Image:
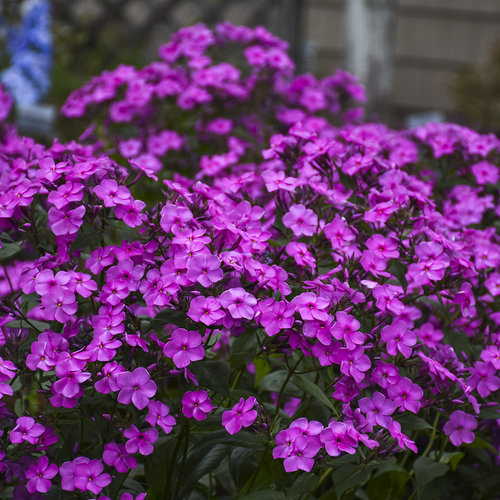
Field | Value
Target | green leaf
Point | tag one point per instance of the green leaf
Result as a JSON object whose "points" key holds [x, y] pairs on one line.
{"points": [[399, 270], [349, 476], [168, 316], [427, 470], [212, 374], [411, 422], [490, 413], [303, 484], [33, 323], [453, 458], [312, 389], [273, 381], [393, 482], [263, 495], [262, 368], [9, 246], [201, 461]]}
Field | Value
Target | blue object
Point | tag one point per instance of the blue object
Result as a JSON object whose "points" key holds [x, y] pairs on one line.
{"points": [[29, 46]]}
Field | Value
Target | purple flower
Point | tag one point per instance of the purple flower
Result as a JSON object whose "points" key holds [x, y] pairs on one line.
{"points": [[459, 428], [242, 415], [159, 415], [339, 437], [66, 222], [89, 476], [239, 303], [140, 442], [26, 429], [117, 456], [184, 347], [196, 404], [136, 387], [398, 337], [406, 394], [39, 476], [301, 220], [377, 409]]}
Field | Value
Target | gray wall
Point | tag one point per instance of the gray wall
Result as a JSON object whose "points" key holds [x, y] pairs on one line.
{"points": [[433, 38]]}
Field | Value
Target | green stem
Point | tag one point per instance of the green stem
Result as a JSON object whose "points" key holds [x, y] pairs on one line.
{"points": [[433, 436], [184, 457], [285, 383], [115, 496], [171, 465]]}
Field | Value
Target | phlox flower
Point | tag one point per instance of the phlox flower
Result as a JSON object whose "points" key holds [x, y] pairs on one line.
{"points": [[242, 415], [460, 427], [311, 307], [301, 220], [205, 269], [26, 429], [184, 347], [130, 212], [117, 456], [59, 304], [339, 437], [196, 404], [159, 415], [377, 409], [406, 395], [140, 441], [65, 194], [206, 309], [89, 476], [136, 387], [174, 217], [276, 316], [398, 337], [39, 475], [66, 222], [239, 303]]}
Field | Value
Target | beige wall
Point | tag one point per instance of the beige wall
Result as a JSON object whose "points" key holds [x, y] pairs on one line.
{"points": [[433, 38]]}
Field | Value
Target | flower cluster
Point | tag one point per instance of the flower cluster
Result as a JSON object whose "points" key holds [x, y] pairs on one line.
{"points": [[330, 294]]}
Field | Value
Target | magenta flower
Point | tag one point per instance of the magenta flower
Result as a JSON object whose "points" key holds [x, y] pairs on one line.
{"points": [[65, 194], [117, 456], [459, 428], [140, 442], [302, 455], [159, 415], [112, 194], [136, 387], [377, 409], [347, 328], [398, 337], [184, 347], [301, 220], [130, 212], [66, 222], [206, 309], [242, 415], [339, 437], [406, 395], [276, 316], [483, 378], [196, 404], [174, 217], [239, 303], [26, 429], [89, 476], [205, 269], [39, 475], [59, 304], [311, 307]]}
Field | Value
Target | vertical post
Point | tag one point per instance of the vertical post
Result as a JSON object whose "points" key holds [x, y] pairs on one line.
{"points": [[293, 29], [370, 37]]}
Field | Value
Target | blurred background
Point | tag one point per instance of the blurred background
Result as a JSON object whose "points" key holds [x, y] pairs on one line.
{"points": [[421, 60]]}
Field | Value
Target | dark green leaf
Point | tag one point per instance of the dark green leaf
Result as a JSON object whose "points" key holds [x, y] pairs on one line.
{"points": [[312, 389], [303, 484], [349, 476], [411, 422], [212, 374], [263, 495], [21, 323], [201, 461], [426, 470]]}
